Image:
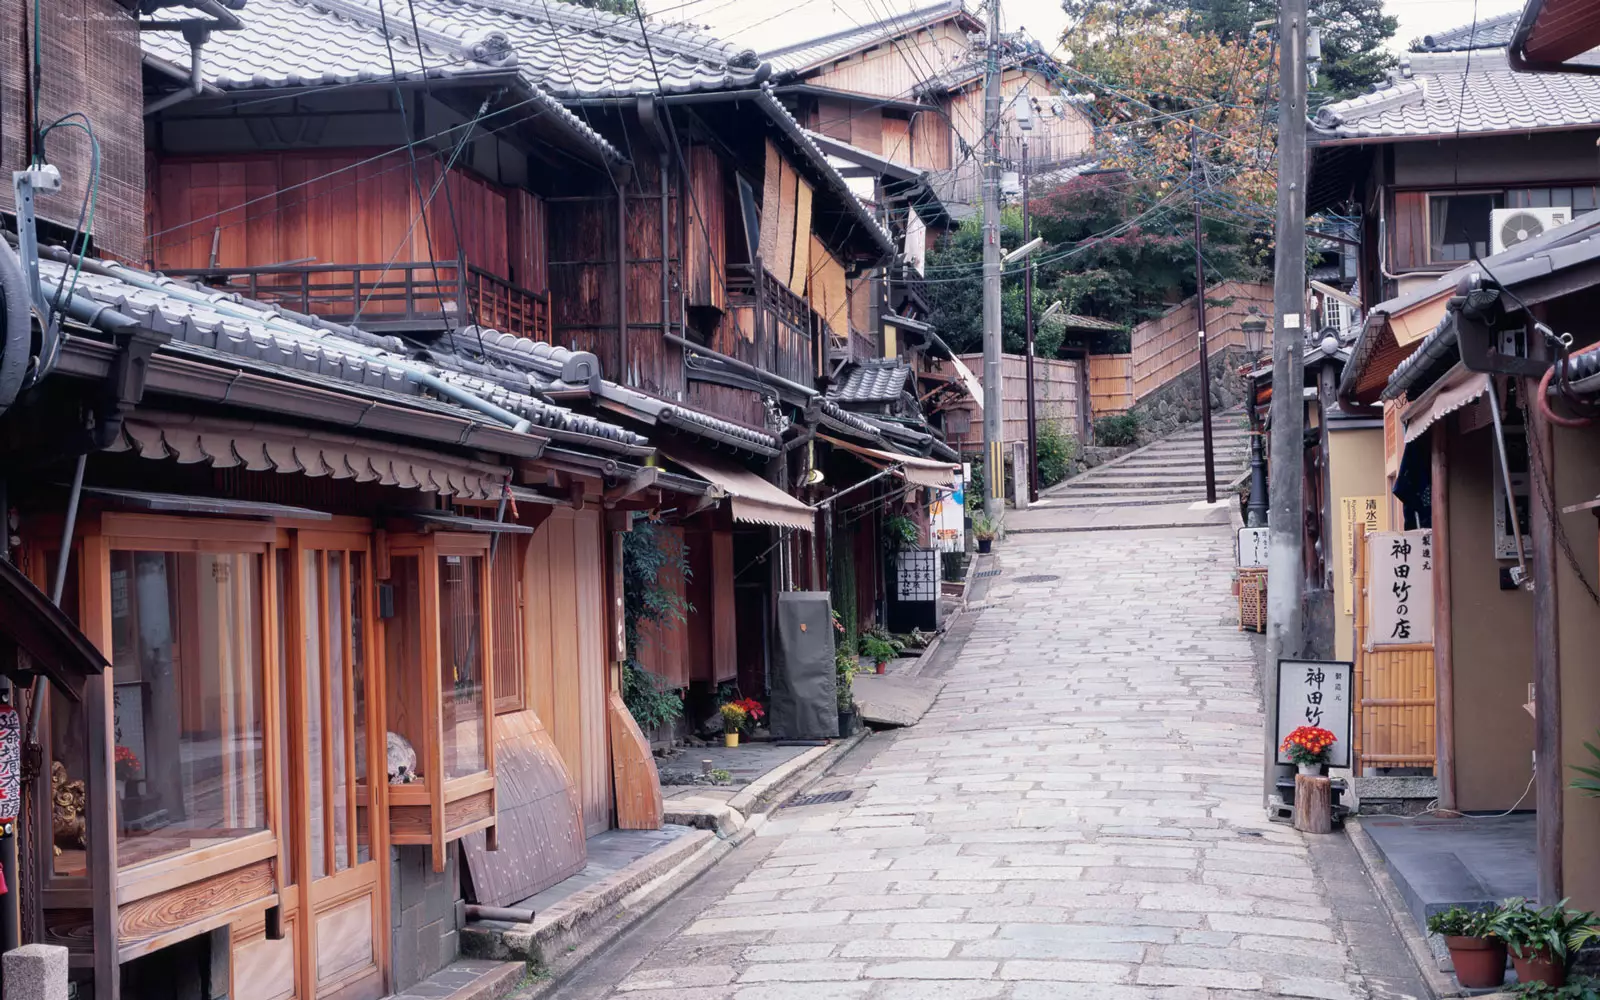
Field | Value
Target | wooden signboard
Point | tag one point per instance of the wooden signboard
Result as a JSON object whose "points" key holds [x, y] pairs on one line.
{"points": [[1400, 588], [1315, 693]]}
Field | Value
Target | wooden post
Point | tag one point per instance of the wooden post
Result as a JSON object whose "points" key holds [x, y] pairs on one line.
{"points": [[1313, 803], [1443, 670], [1549, 777]]}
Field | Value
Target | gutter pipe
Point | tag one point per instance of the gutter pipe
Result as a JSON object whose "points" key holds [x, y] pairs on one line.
{"points": [[419, 376], [737, 365], [197, 84]]}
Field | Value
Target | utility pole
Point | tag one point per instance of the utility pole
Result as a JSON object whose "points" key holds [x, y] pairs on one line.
{"points": [[1284, 556], [1200, 317], [994, 468], [1025, 120]]}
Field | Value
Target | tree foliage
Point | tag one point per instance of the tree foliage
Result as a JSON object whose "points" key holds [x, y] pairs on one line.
{"points": [[627, 8]]}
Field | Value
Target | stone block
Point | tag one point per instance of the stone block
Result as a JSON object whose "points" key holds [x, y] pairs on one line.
{"points": [[35, 972]]}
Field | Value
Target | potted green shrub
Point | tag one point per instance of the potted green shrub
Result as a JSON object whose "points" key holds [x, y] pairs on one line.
{"points": [[844, 668], [880, 647], [1477, 953], [984, 531], [1541, 941]]}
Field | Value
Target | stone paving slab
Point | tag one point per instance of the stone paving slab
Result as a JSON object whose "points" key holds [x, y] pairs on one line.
{"points": [[890, 700]]}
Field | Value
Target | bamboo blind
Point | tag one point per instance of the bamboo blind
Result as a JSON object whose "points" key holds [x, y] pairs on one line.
{"points": [[1395, 723]]}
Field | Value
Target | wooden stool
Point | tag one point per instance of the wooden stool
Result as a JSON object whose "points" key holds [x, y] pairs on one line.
{"points": [[1313, 803]]}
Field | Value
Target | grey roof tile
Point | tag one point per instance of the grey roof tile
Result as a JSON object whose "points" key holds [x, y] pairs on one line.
{"points": [[872, 382], [338, 355], [1441, 94], [810, 53], [1487, 33]]}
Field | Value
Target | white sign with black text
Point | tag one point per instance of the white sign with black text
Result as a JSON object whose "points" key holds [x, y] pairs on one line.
{"points": [[1315, 693], [1400, 588], [1252, 548]]}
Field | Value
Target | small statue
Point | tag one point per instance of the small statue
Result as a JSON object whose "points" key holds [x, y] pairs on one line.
{"points": [[69, 804], [402, 760]]}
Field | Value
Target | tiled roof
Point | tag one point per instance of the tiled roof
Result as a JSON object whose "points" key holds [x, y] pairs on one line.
{"points": [[872, 382], [1441, 94], [813, 52], [1488, 33], [225, 325], [1075, 321], [556, 48]]}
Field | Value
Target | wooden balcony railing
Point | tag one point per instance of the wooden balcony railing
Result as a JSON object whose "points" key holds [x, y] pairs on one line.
{"points": [[788, 337], [410, 295]]}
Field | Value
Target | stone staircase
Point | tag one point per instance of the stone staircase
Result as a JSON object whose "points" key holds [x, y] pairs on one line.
{"points": [[1168, 471]]}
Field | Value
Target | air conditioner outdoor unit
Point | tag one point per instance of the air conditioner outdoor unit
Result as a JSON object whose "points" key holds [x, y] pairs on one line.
{"points": [[1510, 226]]}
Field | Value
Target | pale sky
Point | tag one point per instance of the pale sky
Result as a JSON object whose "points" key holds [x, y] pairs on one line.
{"points": [[765, 24]]}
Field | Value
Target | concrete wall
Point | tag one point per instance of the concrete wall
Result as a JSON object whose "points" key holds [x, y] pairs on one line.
{"points": [[1355, 469], [1492, 642], [424, 937], [1577, 468]]}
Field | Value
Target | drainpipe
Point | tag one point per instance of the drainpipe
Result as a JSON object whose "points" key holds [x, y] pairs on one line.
{"points": [[419, 376], [197, 38]]}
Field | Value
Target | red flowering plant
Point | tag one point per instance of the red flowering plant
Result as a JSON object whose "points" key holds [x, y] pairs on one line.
{"points": [[1308, 745], [753, 712], [127, 763]]}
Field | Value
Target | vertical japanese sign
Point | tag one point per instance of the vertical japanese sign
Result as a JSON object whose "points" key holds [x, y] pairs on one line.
{"points": [[1372, 512], [1252, 548], [1400, 588], [1315, 693], [918, 576], [11, 763]]}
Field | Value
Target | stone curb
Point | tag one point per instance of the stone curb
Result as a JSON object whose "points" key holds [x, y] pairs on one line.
{"points": [[493, 984], [1438, 983], [762, 795]]}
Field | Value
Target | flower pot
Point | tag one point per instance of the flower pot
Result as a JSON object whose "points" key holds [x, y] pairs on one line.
{"points": [[984, 544], [1314, 770], [1480, 962], [883, 667], [730, 739], [847, 723], [1540, 967]]}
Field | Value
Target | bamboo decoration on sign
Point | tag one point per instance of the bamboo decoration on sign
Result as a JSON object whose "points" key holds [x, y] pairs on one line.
{"points": [[1313, 803]]}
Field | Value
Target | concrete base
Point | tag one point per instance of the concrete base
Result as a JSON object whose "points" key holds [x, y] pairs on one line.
{"points": [[1468, 862], [36, 972], [1396, 795]]}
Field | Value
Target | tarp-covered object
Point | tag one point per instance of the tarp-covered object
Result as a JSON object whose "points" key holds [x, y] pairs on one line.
{"points": [[805, 702]]}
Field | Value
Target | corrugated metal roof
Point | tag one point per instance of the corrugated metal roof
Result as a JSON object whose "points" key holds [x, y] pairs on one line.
{"points": [[1466, 92], [805, 55]]}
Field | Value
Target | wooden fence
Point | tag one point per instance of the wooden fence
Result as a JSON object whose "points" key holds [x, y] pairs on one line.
{"points": [[1169, 345], [1055, 399], [1110, 384]]}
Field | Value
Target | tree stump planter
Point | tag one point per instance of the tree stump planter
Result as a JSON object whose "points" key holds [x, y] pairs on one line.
{"points": [[1313, 803], [1480, 962]]}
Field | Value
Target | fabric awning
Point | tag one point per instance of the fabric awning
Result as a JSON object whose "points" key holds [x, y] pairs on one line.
{"points": [[752, 499], [1458, 388], [912, 468]]}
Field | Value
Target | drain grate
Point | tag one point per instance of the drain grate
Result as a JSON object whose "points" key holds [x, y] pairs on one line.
{"points": [[1037, 578], [820, 798], [987, 572]]}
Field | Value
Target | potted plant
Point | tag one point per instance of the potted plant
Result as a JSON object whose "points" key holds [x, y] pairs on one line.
{"points": [[1477, 953], [733, 719], [983, 529], [880, 647], [1307, 748], [753, 713], [844, 668], [1541, 941]]}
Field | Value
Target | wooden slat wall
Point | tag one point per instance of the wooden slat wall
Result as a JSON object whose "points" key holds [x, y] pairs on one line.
{"points": [[1388, 734], [1055, 397], [866, 129], [665, 650], [832, 118], [1168, 346], [897, 68], [583, 278], [1410, 229], [649, 362], [565, 626], [638, 783], [706, 257], [1110, 384], [540, 817], [896, 143], [931, 141], [528, 248], [724, 617]]}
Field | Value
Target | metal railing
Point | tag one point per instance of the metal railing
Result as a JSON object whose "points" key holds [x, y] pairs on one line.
{"points": [[409, 295]]}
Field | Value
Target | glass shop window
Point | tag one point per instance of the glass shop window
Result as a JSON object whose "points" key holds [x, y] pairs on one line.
{"points": [[1458, 225], [461, 660], [402, 636], [187, 651]]}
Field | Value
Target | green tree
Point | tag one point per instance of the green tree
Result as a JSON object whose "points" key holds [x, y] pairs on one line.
{"points": [[627, 8]]}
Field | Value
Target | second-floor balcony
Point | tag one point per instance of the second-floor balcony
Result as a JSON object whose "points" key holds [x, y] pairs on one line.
{"points": [[403, 297]]}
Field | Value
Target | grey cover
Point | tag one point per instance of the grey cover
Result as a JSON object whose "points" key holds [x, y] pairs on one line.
{"points": [[805, 704]]}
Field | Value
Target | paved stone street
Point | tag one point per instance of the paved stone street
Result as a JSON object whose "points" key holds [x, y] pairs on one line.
{"points": [[1077, 816]]}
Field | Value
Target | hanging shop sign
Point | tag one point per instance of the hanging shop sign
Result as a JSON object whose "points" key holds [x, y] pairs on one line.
{"points": [[1315, 693], [1353, 511], [946, 514], [1400, 588], [10, 764]]}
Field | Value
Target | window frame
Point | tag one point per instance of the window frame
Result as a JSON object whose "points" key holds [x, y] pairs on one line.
{"points": [[1427, 220]]}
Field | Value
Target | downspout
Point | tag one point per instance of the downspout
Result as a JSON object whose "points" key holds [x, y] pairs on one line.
{"points": [[650, 118], [197, 38], [419, 376]]}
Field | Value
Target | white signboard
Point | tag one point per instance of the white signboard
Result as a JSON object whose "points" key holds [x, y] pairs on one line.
{"points": [[1315, 693], [1252, 548], [918, 576], [1400, 588], [947, 516]]}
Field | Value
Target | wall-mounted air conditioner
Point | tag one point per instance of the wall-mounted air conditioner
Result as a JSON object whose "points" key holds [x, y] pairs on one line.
{"points": [[1510, 226]]}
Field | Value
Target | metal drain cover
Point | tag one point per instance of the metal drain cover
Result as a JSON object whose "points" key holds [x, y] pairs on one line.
{"points": [[987, 572], [820, 798], [1037, 578]]}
